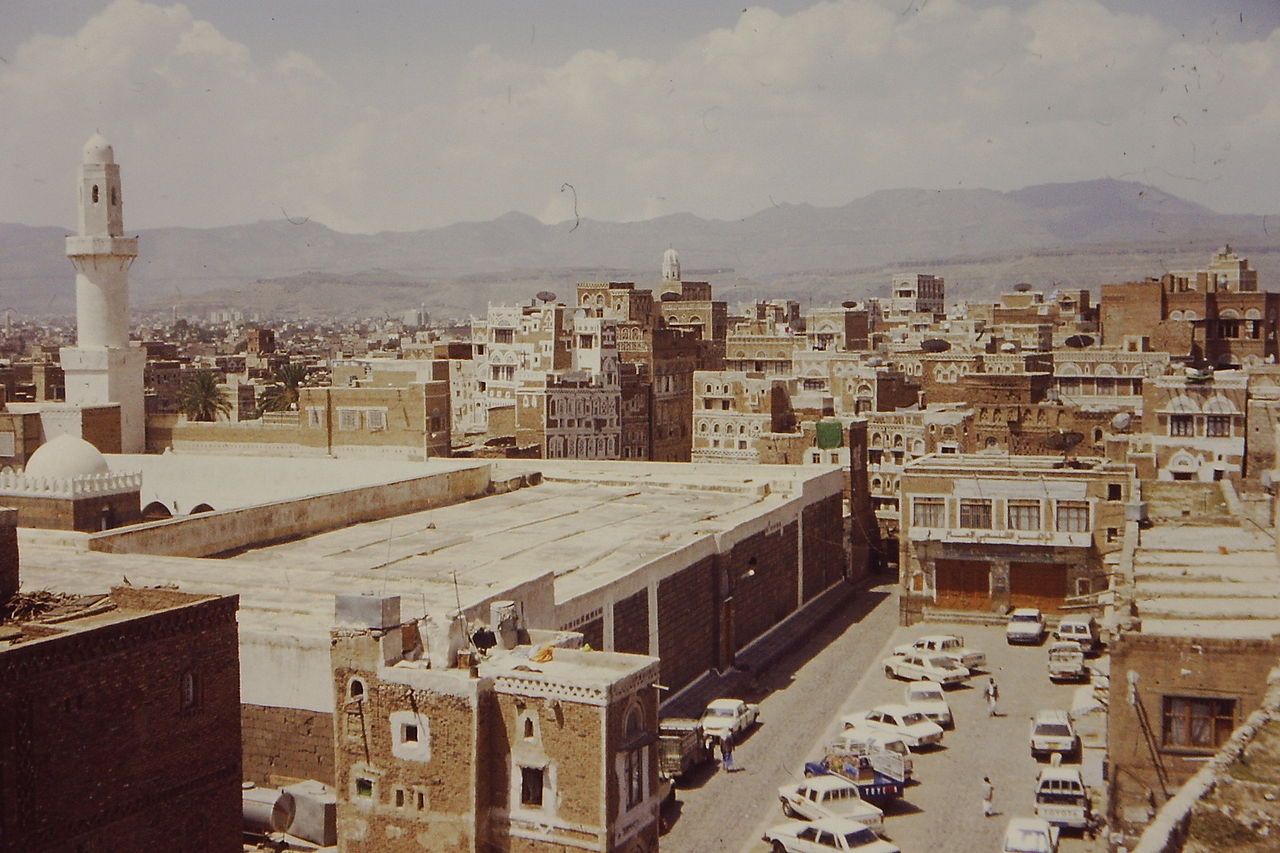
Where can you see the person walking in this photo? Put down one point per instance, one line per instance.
(988, 797)
(726, 752)
(992, 694)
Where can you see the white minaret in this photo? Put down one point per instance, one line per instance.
(102, 368)
(670, 265)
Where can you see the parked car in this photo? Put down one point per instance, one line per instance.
(1066, 661)
(928, 698)
(1083, 630)
(828, 796)
(920, 666)
(1030, 835)
(912, 726)
(728, 715)
(1026, 625)
(1061, 797)
(947, 645)
(1051, 731)
(823, 836)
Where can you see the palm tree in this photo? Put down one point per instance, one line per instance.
(200, 398)
(282, 393)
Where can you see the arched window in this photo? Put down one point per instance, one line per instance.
(355, 690)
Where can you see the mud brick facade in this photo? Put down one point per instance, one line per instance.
(1175, 701)
(292, 743)
(503, 755)
(686, 606)
(120, 730)
(631, 624)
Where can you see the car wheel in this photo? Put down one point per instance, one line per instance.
(778, 847)
(889, 673)
(788, 810)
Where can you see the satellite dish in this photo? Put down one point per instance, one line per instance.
(935, 345)
(1079, 341)
(669, 296)
(546, 296)
(875, 361)
(1121, 422)
(1008, 346)
(1022, 287)
(1063, 441)
(849, 304)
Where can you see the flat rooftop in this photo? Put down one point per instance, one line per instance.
(587, 523)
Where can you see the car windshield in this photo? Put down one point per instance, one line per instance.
(925, 694)
(1025, 617)
(943, 663)
(719, 712)
(860, 838)
(912, 718)
(1026, 840)
(1053, 730)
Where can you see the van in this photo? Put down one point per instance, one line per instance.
(1061, 797)
(1081, 629)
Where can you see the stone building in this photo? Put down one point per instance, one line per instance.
(529, 745)
(735, 412)
(986, 533)
(1215, 315)
(845, 329)
(913, 294)
(120, 725)
(1194, 427)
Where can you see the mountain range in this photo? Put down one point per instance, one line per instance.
(1076, 234)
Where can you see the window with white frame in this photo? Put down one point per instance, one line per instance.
(1024, 515)
(975, 513)
(376, 419)
(348, 419)
(315, 416)
(929, 512)
(1073, 516)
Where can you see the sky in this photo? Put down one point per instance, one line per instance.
(402, 115)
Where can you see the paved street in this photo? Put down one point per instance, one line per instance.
(838, 672)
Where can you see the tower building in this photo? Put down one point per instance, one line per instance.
(102, 368)
(670, 271)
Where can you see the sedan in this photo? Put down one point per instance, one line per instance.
(1030, 835)
(823, 836)
(1026, 625)
(920, 667)
(928, 698)
(912, 726)
(732, 716)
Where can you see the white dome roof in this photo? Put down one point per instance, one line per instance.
(99, 150)
(66, 456)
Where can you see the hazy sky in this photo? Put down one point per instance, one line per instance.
(406, 114)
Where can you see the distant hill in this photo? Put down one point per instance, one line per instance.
(1080, 234)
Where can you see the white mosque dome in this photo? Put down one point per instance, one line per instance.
(99, 150)
(65, 457)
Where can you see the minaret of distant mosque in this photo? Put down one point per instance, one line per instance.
(102, 369)
(670, 271)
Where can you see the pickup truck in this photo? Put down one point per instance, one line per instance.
(878, 764)
(1066, 661)
(680, 746)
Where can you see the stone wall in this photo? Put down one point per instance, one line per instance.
(286, 742)
(762, 572)
(631, 624)
(100, 746)
(216, 532)
(687, 622)
(1216, 668)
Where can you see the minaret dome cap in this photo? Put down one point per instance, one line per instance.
(98, 150)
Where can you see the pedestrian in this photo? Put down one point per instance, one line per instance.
(992, 693)
(988, 797)
(726, 752)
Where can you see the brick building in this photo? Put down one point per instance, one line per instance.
(1194, 427)
(1216, 315)
(986, 533)
(120, 725)
(441, 747)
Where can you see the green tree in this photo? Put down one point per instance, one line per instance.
(282, 393)
(200, 398)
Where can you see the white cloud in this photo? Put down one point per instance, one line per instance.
(823, 106)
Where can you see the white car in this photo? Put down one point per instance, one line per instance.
(1026, 625)
(1030, 835)
(928, 698)
(829, 796)
(1051, 731)
(913, 727)
(823, 836)
(919, 666)
(728, 715)
(947, 645)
